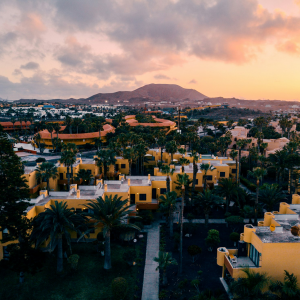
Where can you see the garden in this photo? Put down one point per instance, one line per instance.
(84, 278)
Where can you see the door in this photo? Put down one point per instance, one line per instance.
(153, 193)
(61, 176)
(132, 198)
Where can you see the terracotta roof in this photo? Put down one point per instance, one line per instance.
(159, 122)
(16, 123)
(90, 135)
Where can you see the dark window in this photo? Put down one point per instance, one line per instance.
(132, 198)
(89, 171)
(153, 193)
(123, 166)
(235, 139)
(163, 191)
(92, 229)
(252, 144)
(78, 210)
(209, 177)
(254, 255)
(196, 181)
(61, 176)
(116, 167)
(222, 174)
(143, 197)
(233, 171)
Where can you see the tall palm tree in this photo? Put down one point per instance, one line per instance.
(76, 123)
(195, 157)
(164, 260)
(85, 175)
(258, 174)
(286, 290)
(105, 159)
(50, 129)
(241, 144)
(205, 168)
(165, 169)
(56, 127)
(72, 148)
(68, 159)
(227, 188)
(171, 148)
(167, 203)
(182, 179)
(45, 171)
(233, 154)
(251, 286)
(68, 123)
(271, 195)
(207, 201)
(109, 212)
(56, 222)
(277, 161)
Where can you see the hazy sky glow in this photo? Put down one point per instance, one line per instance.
(73, 48)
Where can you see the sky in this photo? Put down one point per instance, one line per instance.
(247, 49)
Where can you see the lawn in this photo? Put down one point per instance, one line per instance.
(90, 281)
(180, 287)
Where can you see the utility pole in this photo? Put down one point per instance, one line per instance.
(179, 108)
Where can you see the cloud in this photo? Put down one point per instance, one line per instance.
(161, 76)
(193, 81)
(30, 66)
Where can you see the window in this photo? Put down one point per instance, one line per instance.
(123, 166)
(92, 229)
(254, 255)
(163, 191)
(252, 144)
(78, 210)
(233, 171)
(143, 197)
(209, 177)
(132, 198)
(222, 174)
(61, 176)
(89, 171)
(197, 181)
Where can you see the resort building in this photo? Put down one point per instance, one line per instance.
(271, 247)
(10, 126)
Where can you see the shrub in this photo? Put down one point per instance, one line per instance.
(234, 220)
(129, 256)
(146, 215)
(73, 261)
(213, 238)
(194, 250)
(119, 288)
(40, 159)
(195, 282)
(251, 186)
(234, 236)
(182, 283)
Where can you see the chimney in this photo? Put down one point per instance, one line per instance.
(78, 194)
(221, 161)
(149, 177)
(128, 182)
(44, 192)
(105, 187)
(200, 156)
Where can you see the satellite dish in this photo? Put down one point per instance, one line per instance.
(272, 227)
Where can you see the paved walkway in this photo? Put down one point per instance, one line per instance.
(151, 276)
(215, 221)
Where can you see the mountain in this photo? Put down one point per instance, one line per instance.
(156, 92)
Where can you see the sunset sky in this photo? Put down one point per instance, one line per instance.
(247, 49)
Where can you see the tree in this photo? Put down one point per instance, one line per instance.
(56, 128)
(207, 200)
(270, 195)
(251, 286)
(205, 168)
(171, 148)
(105, 159)
(195, 157)
(164, 260)
(50, 130)
(240, 145)
(68, 159)
(168, 205)
(165, 169)
(233, 154)
(68, 123)
(85, 175)
(110, 212)
(76, 123)
(182, 180)
(277, 161)
(212, 239)
(56, 222)
(287, 290)
(258, 174)
(131, 155)
(14, 192)
(45, 171)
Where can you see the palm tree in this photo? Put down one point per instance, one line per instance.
(241, 144)
(45, 171)
(72, 148)
(77, 122)
(171, 148)
(13, 120)
(85, 175)
(277, 161)
(258, 174)
(164, 260)
(195, 157)
(37, 138)
(68, 159)
(205, 168)
(182, 180)
(183, 161)
(110, 212)
(56, 127)
(50, 129)
(233, 154)
(207, 201)
(165, 169)
(56, 222)
(251, 286)
(168, 204)
(68, 123)
(287, 290)
(227, 188)
(271, 195)
(105, 159)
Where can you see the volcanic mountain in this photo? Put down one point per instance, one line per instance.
(158, 92)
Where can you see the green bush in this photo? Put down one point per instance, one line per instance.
(73, 261)
(119, 288)
(146, 215)
(213, 238)
(40, 159)
(194, 250)
(234, 236)
(251, 186)
(234, 220)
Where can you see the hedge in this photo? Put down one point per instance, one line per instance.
(251, 186)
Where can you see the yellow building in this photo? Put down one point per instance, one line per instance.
(268, 248)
